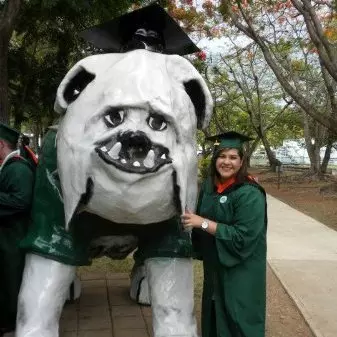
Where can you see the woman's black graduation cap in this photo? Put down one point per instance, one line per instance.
(229, 140)
(114, 35)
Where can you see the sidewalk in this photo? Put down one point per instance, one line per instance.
(303, 254)
(301, 251)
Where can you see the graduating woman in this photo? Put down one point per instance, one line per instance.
(229, 235)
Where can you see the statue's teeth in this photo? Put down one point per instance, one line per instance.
(136, 163)
(104, 149)
(114, 152)
(123, 161)
(149, 160)
(163, 156)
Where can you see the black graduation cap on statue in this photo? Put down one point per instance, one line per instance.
(229, 140)
(147, 28)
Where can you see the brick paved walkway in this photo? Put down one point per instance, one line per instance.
(105, 310)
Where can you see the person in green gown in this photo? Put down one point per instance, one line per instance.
(229, 235)
(16, 186)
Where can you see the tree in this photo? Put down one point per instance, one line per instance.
(43, 47)
(9, 12)
(252, 88)
(298, 42)
(264, 22)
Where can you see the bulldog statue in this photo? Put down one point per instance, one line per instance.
(125, 169)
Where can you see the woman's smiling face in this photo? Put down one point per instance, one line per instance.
(228, 164)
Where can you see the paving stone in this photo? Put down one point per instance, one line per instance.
(93, 311)
(94, 318)
(146, 310)
(199, 327)
(134, 322)
(96, 333)
(117, 276)
(131, 333)
(71, 306)
(148, 322)
(150, 332)
(93, 276)
(125, 310)
(70, 312)
(68, 334)
(94, 323)
(119, 283)
(96, 296)
(93, 283)
(119, 296)
(68, 324)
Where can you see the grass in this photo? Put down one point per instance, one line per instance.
(104, 264)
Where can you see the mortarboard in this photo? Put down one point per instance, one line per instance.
(229, 140)
(8, 134)
(149, 25)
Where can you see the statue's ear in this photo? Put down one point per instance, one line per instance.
(72, 86)
(77, 84)
(80, 76)
(195, 87)
(198, 98)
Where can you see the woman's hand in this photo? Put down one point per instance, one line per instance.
(191, 220)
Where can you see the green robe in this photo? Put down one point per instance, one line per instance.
(234, 259)
(16, 186)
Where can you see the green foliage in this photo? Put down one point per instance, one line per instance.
(203, 167)
(44, 46)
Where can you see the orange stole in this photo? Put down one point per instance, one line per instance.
(220, 187)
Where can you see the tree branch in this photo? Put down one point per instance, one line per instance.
(327, 121)
(315, 30)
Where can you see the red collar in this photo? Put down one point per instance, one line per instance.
(223, 186)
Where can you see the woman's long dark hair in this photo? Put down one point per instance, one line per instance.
(242, 174)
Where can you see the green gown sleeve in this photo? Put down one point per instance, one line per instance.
(236, 242)
(19, 184)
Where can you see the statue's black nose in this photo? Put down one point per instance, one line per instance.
(136, 145)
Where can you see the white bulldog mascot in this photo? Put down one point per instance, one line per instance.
(126, 168)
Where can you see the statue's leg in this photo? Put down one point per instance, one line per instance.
(74, 292)
(43, 292)
(139, 288)
(171, 291)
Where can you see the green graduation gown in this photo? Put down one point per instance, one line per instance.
(16, 186)
(234, 260)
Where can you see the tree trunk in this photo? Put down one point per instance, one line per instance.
(315, 158)
(273, 162)
(313, 147)
(37, 133)
(250, 150)
(326, 158)
(4, 104)
(18, 119)
(7, 19)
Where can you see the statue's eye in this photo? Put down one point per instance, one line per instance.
(157, 122)
(114, 117)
